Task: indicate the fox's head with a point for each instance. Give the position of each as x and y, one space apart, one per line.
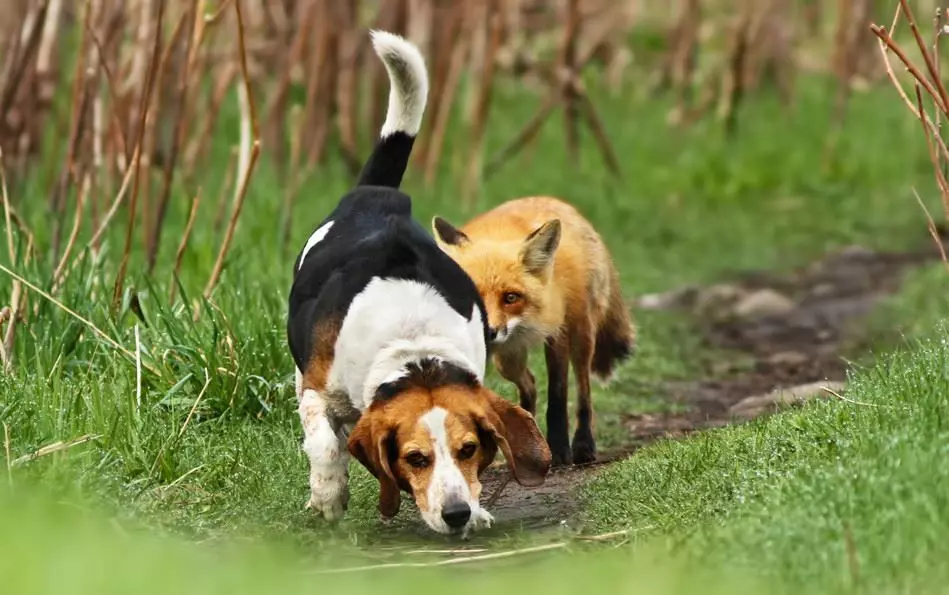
512 276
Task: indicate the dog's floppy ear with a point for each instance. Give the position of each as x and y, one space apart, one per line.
516 433
369 443
537 251
448 234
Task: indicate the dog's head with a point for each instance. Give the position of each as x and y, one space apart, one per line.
433 440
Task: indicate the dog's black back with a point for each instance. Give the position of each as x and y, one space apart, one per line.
372 235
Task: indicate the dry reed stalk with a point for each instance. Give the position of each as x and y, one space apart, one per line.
16 301
229 173
555 80
136 162
445 96
292 189
111 86
347 100
884 52
198 146
74 233
321 97
177 138
183 245
732 83
936 90
678 69
392 16
568 60
449 561
491 31
120 195
20 59
444 38
77 120
275 128
247 157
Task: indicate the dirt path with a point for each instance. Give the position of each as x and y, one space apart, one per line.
791 331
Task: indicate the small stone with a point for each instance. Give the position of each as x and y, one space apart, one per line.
717 299
764 302
751 407
788 358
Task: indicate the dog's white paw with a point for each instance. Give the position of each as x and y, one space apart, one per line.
329 498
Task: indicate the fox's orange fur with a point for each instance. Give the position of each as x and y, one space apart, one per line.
546 276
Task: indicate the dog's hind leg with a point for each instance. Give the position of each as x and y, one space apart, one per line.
329 457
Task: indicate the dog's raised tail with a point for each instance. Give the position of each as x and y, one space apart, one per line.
408 93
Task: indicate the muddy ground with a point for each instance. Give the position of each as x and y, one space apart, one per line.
791 335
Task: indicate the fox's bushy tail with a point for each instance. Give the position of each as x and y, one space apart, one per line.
408 93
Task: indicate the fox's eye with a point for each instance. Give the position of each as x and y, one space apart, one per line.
511 297
417 460
467 451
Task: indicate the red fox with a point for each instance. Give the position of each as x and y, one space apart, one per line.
545 275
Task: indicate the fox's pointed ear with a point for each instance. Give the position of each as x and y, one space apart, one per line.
446 233
537 253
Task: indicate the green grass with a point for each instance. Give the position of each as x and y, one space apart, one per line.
779 496
692 205
763 507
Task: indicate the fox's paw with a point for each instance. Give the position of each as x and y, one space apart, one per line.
584 448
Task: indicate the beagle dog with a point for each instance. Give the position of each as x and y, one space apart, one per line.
389 337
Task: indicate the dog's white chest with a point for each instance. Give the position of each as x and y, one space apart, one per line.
393 322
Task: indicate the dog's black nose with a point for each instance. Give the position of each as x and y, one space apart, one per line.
492 334
456 514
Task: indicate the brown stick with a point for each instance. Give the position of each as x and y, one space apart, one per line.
930 63
934 158
433 148
177 138
250 150
136 170
885 37
568 64
12 82
492 31
6 353
77 121
74 233
183 244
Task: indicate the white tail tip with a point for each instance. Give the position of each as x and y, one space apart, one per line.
408 78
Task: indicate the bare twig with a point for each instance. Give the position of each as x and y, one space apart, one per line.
136 165
105 337
614 534
6 347
183 244
497 492
933 230
448 562
247 159
74 233
197 401
54 448
138 370
6 451
834 393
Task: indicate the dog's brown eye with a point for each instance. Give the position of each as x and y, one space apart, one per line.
417 460
511 297
467 451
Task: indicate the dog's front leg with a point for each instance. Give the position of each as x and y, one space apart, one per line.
329 458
